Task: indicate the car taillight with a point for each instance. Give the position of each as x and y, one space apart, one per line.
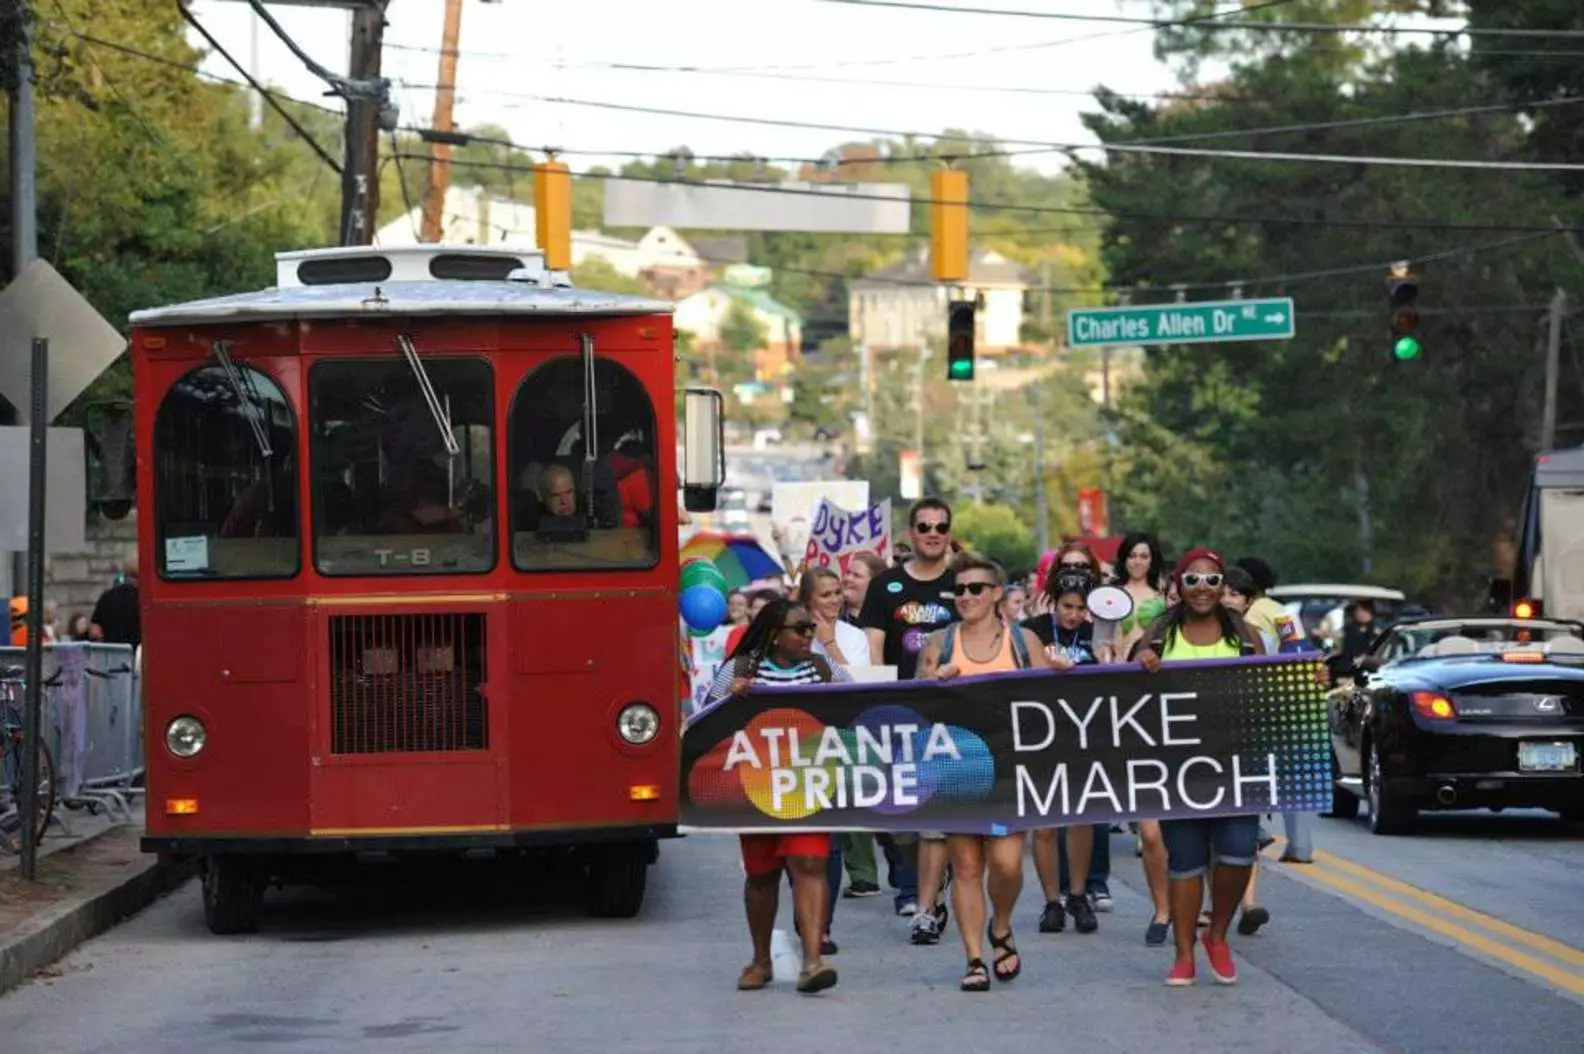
1436 707
1526 609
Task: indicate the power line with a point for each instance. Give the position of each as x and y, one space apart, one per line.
1170 23
1014 207
1139 148
374 90
899 60
1311 126
265 93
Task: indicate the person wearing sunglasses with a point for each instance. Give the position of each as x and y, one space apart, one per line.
983 642
1202 628
777 649
902 608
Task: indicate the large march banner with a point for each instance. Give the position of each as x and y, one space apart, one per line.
1008 752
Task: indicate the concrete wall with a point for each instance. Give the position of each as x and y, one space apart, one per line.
75 580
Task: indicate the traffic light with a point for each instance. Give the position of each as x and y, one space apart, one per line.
1403 287
960 340
552 191
949 225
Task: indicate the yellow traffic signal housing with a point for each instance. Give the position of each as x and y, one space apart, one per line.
552 191
949 225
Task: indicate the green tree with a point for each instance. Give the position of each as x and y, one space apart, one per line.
597 273
996 532
741 331
1319 453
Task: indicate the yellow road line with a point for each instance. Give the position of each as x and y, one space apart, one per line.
1554 948
1539 942
1562 978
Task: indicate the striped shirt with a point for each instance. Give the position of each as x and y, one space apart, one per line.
772 675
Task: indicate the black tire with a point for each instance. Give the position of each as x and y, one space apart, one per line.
233 894
617 879
1344 803
1388 813
1573 815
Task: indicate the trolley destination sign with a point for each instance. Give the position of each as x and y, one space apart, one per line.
1214 322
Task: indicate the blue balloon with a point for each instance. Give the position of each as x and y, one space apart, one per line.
703 607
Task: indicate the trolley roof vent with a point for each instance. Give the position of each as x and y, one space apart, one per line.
411 263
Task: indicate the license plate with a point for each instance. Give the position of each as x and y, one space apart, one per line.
1547 757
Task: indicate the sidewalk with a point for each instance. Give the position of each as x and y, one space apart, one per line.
88 880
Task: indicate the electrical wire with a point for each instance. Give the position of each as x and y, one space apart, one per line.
265 93
893 61
401 179
348 88
1170 23
1310 126
1014 207
1249 155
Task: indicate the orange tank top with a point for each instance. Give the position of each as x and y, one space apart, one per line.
1002 661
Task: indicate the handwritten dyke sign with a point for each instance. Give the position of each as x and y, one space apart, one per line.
1008 752
837 535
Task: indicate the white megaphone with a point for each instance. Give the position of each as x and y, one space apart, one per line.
1108 606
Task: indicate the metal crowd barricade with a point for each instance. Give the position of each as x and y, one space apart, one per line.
93 722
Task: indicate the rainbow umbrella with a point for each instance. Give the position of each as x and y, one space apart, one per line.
739 557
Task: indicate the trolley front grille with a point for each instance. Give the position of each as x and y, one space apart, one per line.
407 683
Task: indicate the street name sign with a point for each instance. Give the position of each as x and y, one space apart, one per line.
1213 322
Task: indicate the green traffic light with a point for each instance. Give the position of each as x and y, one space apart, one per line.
1407 349
960 370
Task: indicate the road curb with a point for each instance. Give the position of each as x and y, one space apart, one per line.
50 937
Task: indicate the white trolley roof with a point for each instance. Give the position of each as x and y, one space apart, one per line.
370 282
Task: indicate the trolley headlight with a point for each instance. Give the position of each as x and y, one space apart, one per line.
185 736
638 723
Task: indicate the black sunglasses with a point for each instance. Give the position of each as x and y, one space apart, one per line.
937 528
802 629
975 588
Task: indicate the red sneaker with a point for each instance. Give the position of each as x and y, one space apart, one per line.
1182 973
1221 965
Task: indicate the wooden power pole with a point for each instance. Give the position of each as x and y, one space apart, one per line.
439 180
360 174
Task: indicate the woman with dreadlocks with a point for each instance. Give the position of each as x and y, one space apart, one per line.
777 650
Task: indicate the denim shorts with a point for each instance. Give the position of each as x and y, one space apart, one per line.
1189 843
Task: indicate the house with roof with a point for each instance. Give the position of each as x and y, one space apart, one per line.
902 306
703 313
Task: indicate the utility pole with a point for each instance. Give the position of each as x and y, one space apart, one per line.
360 174
918 407
1037 399
439 180
1553 368
24 188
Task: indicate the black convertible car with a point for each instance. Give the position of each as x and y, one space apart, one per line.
1461 713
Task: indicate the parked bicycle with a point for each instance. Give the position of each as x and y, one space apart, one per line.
12 693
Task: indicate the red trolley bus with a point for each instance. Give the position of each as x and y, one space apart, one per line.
409 535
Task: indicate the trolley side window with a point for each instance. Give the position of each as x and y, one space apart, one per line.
225 477
582 479
403 465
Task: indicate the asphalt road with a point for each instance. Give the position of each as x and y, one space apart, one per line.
1466 937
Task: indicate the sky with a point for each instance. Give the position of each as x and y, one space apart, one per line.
512 50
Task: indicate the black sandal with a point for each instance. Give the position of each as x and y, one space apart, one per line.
977 979
1006 950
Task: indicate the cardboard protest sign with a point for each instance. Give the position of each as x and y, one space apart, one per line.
837 534
792 508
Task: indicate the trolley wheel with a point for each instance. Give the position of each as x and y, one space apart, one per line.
233 894
617 877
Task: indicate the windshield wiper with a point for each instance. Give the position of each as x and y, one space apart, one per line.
590 421
221 349
438 410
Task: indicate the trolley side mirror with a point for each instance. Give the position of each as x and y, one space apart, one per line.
704 448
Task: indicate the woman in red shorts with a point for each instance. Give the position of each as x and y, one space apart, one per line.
776 650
